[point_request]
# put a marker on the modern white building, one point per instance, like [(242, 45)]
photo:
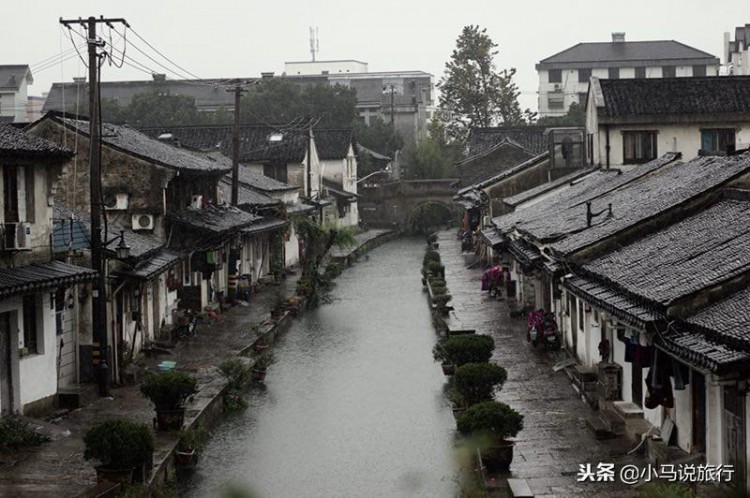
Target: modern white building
[(736, 54), (564, 77), (14, 83)]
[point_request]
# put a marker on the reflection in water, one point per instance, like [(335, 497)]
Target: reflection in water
[(352, 405)]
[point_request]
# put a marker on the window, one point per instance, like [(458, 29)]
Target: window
[(614, 73), (584, 75), (30, 332), (640, 72), (555, 76), (18, 192), (638, 146), (699, 70), (719, 140), (668, 72), (556, 100), (10, 194)]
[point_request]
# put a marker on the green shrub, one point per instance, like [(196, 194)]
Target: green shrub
[(462, 349), (119, 444), (237, 373), (15, 434), (491, 417), (434, 267), (432, 238), (441, 300), (194, 438), (430, 255), (477, 381), (169, 390)]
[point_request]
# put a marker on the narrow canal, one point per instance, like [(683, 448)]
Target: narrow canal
[(353, 402)]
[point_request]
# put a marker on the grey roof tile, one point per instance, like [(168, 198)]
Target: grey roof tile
[(39, 276), (546, 187), (215, 220), (16, 143), (637, 53)]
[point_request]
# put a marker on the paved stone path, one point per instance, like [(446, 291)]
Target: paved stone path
[(555, 439)]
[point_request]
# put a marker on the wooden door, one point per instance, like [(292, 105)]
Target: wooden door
[(734, 433)]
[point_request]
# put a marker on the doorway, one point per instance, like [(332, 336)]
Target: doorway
[(734, 433), (6, 371)]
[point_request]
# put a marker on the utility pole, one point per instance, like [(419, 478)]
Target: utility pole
[(98, 296), (238, 90), (392, 106), (309, 158)]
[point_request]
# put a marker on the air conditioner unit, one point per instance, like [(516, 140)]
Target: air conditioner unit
[(196, 202), (142, 222), (116, 202), (558, 87), (17, 236)]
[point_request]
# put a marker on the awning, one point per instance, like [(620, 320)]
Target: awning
[(614, 302), (525, 253), (41, 276), (492, 238), (300, 208), (153, 266), (341, 194), (695, 349), (264, 225)]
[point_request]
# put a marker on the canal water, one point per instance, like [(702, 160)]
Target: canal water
[(353, 402)]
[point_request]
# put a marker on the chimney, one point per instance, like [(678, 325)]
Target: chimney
[(618, 37), (159, 77), (267, 75)]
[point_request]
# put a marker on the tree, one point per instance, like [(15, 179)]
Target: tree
[(282, 101), (576, 116), (160, 108), (473, 92), (424, 160)]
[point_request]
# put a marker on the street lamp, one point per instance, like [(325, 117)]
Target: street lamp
[(387, 169)]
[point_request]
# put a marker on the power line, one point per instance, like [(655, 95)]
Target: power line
[(164, 56)]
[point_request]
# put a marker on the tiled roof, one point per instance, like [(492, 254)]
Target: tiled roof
[(511, 171), (704, 352), (15, 143), (694, 254), (246, 196), (630, 98), (333, 143), (248, 177), (503, 156), (492, 237), (154, 266), (137, 144), (640, 200), (638, 53), (624, 306), (40, 276), (728, 319), (255, 141), (526, 195), (300, 208), (337, 190), (216, 220), (266, 224), (525, 253), (590, 187), (531, 138)]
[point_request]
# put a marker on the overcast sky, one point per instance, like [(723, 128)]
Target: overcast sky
[(233, 38)]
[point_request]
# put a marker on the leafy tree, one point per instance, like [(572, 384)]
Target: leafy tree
[(158, 108), (576, 116), (379, 136), (473, 92), (424, 160), (283, 101)]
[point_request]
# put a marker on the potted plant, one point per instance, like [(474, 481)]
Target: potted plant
[(446, 362), (260, 367), (493, 422), (168, 392), (120, 447), (190, 446), (476, 382), (462, 349), (279, 305)]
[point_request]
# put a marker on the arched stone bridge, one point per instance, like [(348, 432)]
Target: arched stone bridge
[(398, 202)]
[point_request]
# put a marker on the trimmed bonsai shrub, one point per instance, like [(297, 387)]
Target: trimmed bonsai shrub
[(119, 444), (194, 438), (476, 382), (434, 267), (463, 349), (236, 372), (441, 300), (432, 238), (492, 418), (169, 390), (430, 255), (15, 433)]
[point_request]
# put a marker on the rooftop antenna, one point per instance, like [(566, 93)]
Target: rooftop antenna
[(314, 42)]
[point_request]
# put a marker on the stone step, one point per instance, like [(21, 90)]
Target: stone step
[(637, 427), (612, 420), (598, 427), (628, 410), (519, 488)]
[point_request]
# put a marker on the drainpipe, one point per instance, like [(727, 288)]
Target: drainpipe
[(607, 147)]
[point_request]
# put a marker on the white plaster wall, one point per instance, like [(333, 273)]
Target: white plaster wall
[(291, 248), (652, 415), (714, 421), (594, 338), (38, 373), (627, 73), (581, 338), (682, 416), (627, 370), (670, 138)]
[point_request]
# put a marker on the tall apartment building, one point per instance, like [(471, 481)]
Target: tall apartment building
[(564, 77), (736, 53)]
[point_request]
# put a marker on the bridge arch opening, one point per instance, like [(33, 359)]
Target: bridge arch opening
[(429, 216)]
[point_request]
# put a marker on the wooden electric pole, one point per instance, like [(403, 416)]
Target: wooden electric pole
[(98, 296), (238, 90)]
